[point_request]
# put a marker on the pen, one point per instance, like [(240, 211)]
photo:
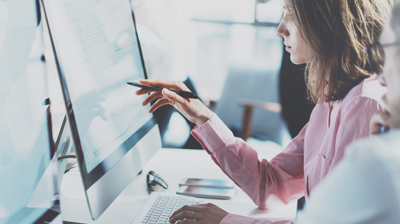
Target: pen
[(184, 94)]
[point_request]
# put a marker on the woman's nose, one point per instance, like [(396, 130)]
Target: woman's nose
[(282, 31)]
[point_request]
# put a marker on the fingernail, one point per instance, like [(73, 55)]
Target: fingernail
[(166, 91)]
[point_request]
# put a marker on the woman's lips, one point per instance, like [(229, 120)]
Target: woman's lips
[(288, 47)]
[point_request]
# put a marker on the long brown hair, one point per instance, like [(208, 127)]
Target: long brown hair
[(337, 32)]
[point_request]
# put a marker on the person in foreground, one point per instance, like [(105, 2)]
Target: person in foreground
[(365, 186), (340, 79)]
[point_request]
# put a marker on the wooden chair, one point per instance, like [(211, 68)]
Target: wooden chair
[(249, 106), (249, 103)]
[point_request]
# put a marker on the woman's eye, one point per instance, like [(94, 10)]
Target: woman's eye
[(288, 15)]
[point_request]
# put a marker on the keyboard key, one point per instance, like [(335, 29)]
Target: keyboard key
[(164, 206)]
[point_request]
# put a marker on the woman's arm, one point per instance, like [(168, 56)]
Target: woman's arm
[(267, 183)]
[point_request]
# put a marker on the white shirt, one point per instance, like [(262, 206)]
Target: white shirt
[(364, 187)]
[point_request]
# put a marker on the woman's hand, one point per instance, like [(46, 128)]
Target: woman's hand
[(193, 109), (379, 120), (205, 213)]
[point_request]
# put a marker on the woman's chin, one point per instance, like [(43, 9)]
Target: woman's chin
[(297, 60)]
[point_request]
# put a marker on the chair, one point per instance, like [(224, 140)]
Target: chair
[(249, 107), (249, 103)]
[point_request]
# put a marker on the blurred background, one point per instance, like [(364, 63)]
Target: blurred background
[(228, 50)]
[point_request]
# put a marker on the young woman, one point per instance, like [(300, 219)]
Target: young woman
[(329, 36)]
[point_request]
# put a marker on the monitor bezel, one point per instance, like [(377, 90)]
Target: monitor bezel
[(90, 178)]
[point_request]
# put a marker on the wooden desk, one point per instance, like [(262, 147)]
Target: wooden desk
[(172, 165)]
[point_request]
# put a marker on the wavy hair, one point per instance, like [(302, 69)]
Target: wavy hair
[(337, 32)]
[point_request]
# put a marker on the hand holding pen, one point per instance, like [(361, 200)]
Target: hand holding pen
[(171, 93)]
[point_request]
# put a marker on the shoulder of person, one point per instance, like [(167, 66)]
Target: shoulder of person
[(367, 90), (385, 147)]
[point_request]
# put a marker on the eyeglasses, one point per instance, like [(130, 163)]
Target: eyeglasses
[(154, 179), (376, 55)]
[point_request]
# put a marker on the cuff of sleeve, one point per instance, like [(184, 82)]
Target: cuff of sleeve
[(232, 219), (213, 134)]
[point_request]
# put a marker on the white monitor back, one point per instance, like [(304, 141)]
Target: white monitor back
[(105, 190)]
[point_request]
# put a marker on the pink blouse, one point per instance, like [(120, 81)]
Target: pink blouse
[(309, 157)]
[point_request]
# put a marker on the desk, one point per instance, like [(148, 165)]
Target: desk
[(172, 165)]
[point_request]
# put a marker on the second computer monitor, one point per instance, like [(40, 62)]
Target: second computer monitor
[(97, 52), (27, 165)]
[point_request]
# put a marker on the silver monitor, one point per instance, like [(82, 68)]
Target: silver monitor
[(28, 174), (97, 51)]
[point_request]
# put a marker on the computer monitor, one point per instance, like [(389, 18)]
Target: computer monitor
[(97, 51), (27, 172)]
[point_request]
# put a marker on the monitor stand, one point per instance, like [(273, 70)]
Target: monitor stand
[(64, 146), (74, 206), (124, 209), (73, 202)]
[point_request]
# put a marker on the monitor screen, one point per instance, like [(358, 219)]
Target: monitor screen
[(27, 186), (98, 52)]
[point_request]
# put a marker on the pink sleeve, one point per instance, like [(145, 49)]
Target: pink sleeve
[(352, 127), (238, 219), (267, 183)]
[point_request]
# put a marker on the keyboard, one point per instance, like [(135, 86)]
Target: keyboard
[(162, 207)]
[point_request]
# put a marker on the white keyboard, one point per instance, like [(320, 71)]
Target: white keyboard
[(163, 207)]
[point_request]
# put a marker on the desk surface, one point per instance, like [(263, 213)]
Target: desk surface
[(172, 165)]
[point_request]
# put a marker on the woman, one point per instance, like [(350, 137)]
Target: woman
[(329, 36)]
